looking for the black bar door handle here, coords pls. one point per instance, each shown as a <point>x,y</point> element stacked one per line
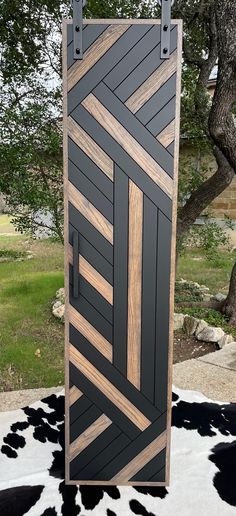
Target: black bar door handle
<point>75,241</point>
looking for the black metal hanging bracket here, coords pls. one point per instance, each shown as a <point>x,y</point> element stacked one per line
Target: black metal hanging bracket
<point>165,27</point>
<point>78,28</point>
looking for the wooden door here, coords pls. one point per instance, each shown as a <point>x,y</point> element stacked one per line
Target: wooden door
<point>121,126</point>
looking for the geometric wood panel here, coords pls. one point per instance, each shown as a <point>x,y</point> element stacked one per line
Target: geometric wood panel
<point>121,136</point>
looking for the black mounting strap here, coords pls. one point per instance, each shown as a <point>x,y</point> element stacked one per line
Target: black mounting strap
<point>165,27</point>
<point>78,28</point>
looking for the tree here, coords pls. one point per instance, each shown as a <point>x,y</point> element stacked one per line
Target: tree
<point>31,137</point>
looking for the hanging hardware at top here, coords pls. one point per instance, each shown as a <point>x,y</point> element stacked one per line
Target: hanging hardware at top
<point>165,27</point>
<point>78,27</point>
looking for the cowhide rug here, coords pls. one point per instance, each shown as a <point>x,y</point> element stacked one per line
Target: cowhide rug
<point>203,465</point>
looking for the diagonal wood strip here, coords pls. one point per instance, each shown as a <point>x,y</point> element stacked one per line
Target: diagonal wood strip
<point>90,333</point>
<point>94,53</point>
<point>90,147</point>
<point>167,135</point>
<point>75,394</point>
<point>108,389</point>
<point>128,143</point>
<point>93,277</point>
<point>90,212</point>
<point>152,84</point>
<point>89,435</point>
<point>134,284</point>
<point>141,459</point>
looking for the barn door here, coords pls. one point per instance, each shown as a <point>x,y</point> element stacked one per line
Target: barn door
<point>120,151</point>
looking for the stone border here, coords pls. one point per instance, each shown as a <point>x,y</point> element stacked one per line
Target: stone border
<point>201,330</point>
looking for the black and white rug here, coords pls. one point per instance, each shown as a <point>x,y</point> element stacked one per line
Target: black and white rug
<point>203,465</point>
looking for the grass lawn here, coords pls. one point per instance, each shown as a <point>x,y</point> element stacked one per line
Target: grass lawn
<point>5,225</point>
<point>215,275</point>
<point>27,288</point>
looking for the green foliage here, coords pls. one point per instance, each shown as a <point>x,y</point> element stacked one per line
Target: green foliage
<point>10,254</point>
<point>209,237</point>
<point>187,292</point>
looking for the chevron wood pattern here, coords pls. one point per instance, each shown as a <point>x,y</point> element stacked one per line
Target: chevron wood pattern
<point>121,124</point>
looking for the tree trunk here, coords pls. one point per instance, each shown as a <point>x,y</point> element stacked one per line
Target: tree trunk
<point>204,195</point>
<point>229,305</point>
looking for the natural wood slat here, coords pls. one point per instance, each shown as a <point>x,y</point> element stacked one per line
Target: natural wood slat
<point>94,53</point>
<point>152,84</point>
<point>167,135</point>
<point>108,389</point>
<point>75,394</point>
<point>90,333</point>
<point>90,147</point>
<point>128,143</point>
<point>134,284</point>
<point>141,459</point>
<point>89,435</point>
<point>90,213</point>
<point>93,277</point>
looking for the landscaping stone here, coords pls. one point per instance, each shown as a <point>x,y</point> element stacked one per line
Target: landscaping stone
<point>210,334</point>
<point>190,324</point>
<point>201,325</point>
<point>56,305</point>
<point>178,321</point>
<point>219,297</point>
<point>225,340</point>
<point>59,312</point>
<point>60,294</point>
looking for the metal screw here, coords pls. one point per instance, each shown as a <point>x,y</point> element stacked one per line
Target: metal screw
<point>165,28</point>
<point>77,28</point>
<point>77,51</point>
<point>165,50</point>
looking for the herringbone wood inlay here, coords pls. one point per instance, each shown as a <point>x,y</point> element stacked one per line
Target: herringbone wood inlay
<point>121,116</point>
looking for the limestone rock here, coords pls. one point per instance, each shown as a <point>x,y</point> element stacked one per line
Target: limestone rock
<point>178,321</point>
<point>59,312</point>
<point>201,325</point>
<point>56,304</point>
<point>210,334</point>
<point>60,294</point>
<point>220,297</point>
<point>190,324</point>
<point>226,339</point>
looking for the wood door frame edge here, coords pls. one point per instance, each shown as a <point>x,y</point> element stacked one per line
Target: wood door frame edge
<point>66,243</point>
<point>173,248</point>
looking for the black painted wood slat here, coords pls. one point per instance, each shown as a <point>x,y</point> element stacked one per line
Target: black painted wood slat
<point>92,194</point>
<point>157,101</point>
<point>105,64</point>
<point>133,57</point>
<point>90,313</point>
<point>137,445</point>
<point>148,325</point>
<point>162,304</point>
<point>84,227</point>
<point>91,254</point>
<point>106,405</point>
<point>94,449</point>
<point>134,127</point>
<point>114,376</point>
<point>151,468</point>
<point>90,170</point>
<point>94,297</point>
<point>120,293</point>
<point>144,70</point>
